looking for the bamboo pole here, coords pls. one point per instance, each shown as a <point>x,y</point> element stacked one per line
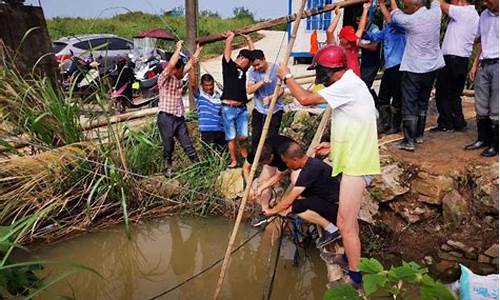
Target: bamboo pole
<point>191,8</point>
<point>104,121</point>
<point>319,132</point>
<point>255,163</point>
<point>282,20</point>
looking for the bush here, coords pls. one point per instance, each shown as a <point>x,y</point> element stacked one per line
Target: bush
<point>242,12</point>
<point>402,282</point>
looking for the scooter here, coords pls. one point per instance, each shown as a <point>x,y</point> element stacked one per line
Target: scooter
<point>82,75</point>
<point>136,87</point>
<point>131,92</point>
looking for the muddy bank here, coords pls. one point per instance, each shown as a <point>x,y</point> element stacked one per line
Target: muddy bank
<point>437,206</point>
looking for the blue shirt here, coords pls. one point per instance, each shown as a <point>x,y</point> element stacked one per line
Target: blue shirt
<point>370,58</point>
<point>266,90</point>
<point>209,111</point>
<point>393,38</point>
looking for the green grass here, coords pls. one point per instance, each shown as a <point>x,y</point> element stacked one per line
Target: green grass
<point>130,24</point>
<point>38,108</point>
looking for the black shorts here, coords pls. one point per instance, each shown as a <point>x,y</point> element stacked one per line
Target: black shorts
<point>324,208</point>
<point>214,138</point>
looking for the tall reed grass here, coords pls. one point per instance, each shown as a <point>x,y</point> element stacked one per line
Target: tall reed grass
<point>37,107</point>
<point>88,184</point>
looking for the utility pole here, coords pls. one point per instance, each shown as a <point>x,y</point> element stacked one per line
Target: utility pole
<point>192,33</point>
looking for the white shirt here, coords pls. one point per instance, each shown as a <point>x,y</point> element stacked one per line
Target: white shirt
<point>354,127</point>
<point>349,92</point>
<point>488,30</point>
<point>462,31</point>
<point>422,52</point>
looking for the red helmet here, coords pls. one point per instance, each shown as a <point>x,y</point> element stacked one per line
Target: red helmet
<point>330,56</point>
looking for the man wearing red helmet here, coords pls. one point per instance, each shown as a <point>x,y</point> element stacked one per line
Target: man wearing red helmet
<point>353,139</point>
<point>348,38</point>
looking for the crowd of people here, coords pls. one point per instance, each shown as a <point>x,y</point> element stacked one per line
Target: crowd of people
<point>414,59</point>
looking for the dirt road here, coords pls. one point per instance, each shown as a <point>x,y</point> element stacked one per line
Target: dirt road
<point>273,44</point>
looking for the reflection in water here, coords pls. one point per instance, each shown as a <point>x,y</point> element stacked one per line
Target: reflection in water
<point>163,253</point>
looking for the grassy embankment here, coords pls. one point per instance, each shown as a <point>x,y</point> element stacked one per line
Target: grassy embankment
<point>130,24</point>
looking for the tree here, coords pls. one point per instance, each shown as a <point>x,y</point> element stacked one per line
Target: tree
<point>209,13</point>
<point>242,12</point>
<point>177,11</point>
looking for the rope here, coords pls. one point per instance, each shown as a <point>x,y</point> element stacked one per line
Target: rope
<point>215,263</point>
<point>278,252</point>
<point>296,234</point>
<point>260,146</point>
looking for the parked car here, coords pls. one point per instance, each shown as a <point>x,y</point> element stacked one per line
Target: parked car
<point>103,47</point>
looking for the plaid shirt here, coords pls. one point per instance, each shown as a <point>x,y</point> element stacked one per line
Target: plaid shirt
<point>170,95</point>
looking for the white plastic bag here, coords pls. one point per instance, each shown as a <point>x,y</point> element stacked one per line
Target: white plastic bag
<point>477,287</point>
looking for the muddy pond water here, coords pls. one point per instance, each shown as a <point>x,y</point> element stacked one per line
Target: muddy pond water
<point>163,253</point>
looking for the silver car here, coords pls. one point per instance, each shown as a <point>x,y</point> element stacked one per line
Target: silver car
<point>102,47</point>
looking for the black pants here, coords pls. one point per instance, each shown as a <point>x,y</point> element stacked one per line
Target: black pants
<point>449,86</point>
<point>215,139</point>
<point>322,207</point>
<point>171,126</point>
<point>368,75</point>
<point>390,88</point>
<point>258,120</point>
<point>415,90</point>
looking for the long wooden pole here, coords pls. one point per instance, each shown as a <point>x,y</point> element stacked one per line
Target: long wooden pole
<point>282,20</point>
<point>319,132</point>
<point>191,34</point>
<point>255,163</point>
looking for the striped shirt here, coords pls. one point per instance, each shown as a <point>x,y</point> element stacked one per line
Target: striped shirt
<point>209,111</point>
<point>170,95</point>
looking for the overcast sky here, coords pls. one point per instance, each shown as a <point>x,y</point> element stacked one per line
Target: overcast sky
<point>106,8</point>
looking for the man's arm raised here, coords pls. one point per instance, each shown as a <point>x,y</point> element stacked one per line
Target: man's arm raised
<point>174,58</point>
<point>228,49</point>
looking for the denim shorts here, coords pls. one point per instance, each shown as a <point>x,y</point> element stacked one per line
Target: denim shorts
<point>235,121</point>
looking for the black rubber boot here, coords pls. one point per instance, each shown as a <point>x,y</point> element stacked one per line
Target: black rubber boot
<point>409,130</point>
<point>395,121</point>
<point>384,119</point>
<point>419,136</point>
<point>483,134</point>
<point>492,150</point>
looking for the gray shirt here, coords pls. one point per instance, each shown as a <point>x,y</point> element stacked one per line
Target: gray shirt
<point>488,30</point>
<point>422,52</point>
<point>461,31</point>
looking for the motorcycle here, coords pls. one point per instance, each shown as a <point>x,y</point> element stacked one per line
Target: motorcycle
<point>133,89</point>
<point>136,86</point>
<point>82,75</point>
